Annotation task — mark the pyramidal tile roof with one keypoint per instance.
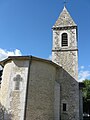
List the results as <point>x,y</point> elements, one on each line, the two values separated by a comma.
<point>64,19</point>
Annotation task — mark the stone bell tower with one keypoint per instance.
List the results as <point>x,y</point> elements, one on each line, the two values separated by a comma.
<point>65,51</point>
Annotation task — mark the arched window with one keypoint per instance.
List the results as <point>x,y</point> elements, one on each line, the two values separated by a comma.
<point>64,39</point>
<point>17,80</point>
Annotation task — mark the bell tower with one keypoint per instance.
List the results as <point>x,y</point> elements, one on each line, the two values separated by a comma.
<point>65,50</point>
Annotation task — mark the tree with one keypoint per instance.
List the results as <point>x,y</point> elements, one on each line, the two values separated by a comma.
<point>86,96</point>
<point>86,89</point>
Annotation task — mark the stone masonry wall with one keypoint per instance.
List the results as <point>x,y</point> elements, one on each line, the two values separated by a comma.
<point>68,61</point>
<point>13,94</point>
<point>67,57</point>
<point>69,94</point>
<point>40,101</point>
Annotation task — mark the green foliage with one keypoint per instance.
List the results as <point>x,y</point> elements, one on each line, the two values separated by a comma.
<point>86,90</point>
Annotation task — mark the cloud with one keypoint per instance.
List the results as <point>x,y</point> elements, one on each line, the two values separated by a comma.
<point>50,57</point>
<point>84,74</point>
<point>82,67</point>
<point>5,53</point>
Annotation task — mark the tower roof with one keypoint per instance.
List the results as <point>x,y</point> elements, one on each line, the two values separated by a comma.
<point>64,19</point>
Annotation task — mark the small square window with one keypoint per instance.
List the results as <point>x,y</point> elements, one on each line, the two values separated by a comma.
<point>64,106</point>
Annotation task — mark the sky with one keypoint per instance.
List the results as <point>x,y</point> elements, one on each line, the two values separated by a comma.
<point>26,28</point>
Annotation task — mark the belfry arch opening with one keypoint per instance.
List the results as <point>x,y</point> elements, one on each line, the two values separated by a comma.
<point>64,39</point>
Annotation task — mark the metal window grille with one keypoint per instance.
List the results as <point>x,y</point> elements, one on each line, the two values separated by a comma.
<point>64,39</point>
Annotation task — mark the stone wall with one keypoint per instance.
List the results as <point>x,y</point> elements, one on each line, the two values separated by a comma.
<point>43,88</point>
<point>81,104</point>
<point>69,95</point>
<point>67,76</point>
<point>67,57</point>
<point>40,100</point>
<point>13,97</point>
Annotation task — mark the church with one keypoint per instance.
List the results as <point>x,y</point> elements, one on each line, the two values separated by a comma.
<point>39,89</point>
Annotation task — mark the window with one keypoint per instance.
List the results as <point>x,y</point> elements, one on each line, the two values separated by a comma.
<point>64,106</point>
<point>64,39</point>
<point>17,85</point>
<point>17,80</point>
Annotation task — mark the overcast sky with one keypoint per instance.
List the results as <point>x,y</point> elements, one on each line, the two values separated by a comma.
<point>25,28</point>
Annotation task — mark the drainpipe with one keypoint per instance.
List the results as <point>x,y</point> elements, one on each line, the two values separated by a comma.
<point>27,86</point>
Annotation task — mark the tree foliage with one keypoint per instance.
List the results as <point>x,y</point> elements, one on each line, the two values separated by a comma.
<point>86,90</point>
